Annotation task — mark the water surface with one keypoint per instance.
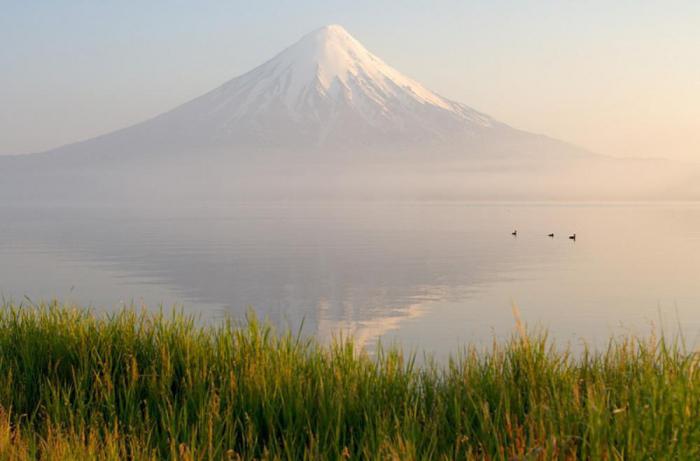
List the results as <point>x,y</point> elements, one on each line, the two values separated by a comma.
<point>431,276</point>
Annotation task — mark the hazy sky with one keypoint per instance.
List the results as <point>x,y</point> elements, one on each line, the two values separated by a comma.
<point>618,77</point>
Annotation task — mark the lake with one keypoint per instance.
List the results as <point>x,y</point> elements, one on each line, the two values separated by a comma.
<point>430,276</point>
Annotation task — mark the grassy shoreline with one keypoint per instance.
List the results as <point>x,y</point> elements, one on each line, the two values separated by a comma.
<point>138,385</point>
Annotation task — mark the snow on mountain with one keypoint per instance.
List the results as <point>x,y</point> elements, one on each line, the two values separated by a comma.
<point>324,117</point>
<point>324,93</point>
<point>325,90</point>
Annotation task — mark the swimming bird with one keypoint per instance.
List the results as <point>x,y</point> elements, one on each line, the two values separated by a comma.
<point>550,235</point>
<point>572,237</point>
<point>514,233</point>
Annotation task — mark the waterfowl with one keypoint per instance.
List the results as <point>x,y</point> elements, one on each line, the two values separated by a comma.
<point>550,235</point>
<point>514,233</point>
<point>572,237</point>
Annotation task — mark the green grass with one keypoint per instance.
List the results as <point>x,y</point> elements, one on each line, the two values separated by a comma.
<point>74,385</point>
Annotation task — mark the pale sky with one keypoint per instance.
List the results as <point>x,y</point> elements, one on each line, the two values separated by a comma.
<point>617,77</point>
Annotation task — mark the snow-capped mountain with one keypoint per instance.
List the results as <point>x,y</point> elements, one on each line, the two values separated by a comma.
<point>324,117</point>
<point>325,91</point>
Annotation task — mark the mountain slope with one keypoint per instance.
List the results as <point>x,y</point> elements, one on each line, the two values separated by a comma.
<point>326,91</point>
<point>323,117</point>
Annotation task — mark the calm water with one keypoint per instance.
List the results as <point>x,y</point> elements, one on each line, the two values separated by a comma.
<point>429,275</point>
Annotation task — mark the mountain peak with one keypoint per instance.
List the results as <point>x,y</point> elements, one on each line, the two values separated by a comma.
<point>318,88</point>
<point>324,55</point>
<point>330,32</point>
<point>333,57</point>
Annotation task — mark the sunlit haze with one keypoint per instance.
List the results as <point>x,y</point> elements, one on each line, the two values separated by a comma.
<point>349,230</point>
<point>618,78</point>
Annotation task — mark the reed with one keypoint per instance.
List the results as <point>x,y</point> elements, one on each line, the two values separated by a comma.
<point>143,385</point>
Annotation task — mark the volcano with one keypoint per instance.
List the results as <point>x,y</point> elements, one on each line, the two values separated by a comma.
<point>325,92</point>
<point>328,117</point>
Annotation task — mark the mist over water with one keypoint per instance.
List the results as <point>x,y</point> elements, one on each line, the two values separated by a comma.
<point>431,275</point>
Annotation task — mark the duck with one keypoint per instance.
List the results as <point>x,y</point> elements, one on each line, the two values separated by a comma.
<point>550,235</point>
<point>572,236</point>
<point>514,233</point>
